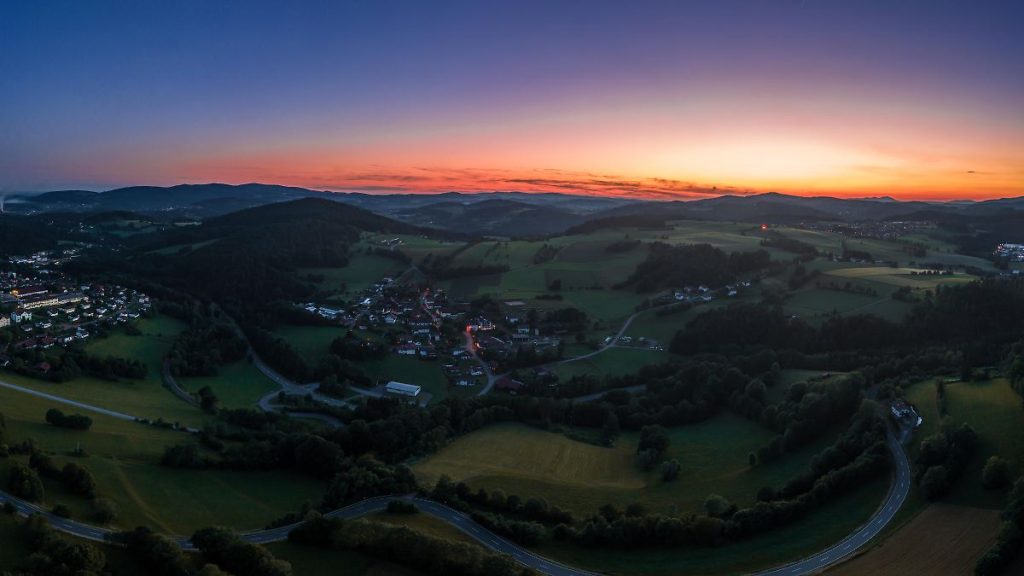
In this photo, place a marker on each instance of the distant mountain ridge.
(514, 214)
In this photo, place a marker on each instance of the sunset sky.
(655, 99)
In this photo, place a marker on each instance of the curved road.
(894, 500)
(898, 491)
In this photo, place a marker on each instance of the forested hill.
(247, 260)
(312, 210)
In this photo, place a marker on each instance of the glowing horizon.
(678, 100)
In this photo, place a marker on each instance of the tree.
(224, 548)
(24, 483)
(717, 506)
(208, 401)
(996, 474)
(610, 429)
(653, 438)
(104, 510)
(935, 482)
(78, 480)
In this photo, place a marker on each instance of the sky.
(664, 100)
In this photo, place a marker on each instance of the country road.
(898, 491)
(894, 500)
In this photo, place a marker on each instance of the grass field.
(942, 540)
(311, 342)
(582, 477)
(363, 271)
(146, 397)
(812, 533)
(123, 458)
(237, 385)
(994, 410)
(813, 304)
(410, 370)
(612, 362)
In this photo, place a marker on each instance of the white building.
(401, 389)
(19, 316)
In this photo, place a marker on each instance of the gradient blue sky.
(913, 99)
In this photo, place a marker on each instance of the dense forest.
(669, 266)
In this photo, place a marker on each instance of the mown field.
(146, 397)
(582, 477)
(124, 456)
(943, 540)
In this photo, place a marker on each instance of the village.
(45, 309)
(482, 341)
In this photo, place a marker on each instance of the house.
(903, 410)
(406, 349)
(402, 389)
(4, 321)
(19, 316)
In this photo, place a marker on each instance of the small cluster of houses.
(1011, 252)
(881, 230)
(700, 294)
(60, 313)
(46, 258)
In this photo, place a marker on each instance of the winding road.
(894, 500)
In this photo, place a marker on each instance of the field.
(612, 362)
(416, 247)
(145, 398)
(311, 342)
(814, 532)
(942, 540)
(994, 410)
(582, 477)
(361, 273)
(410, 370)
(123, 457)
(237, 385)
